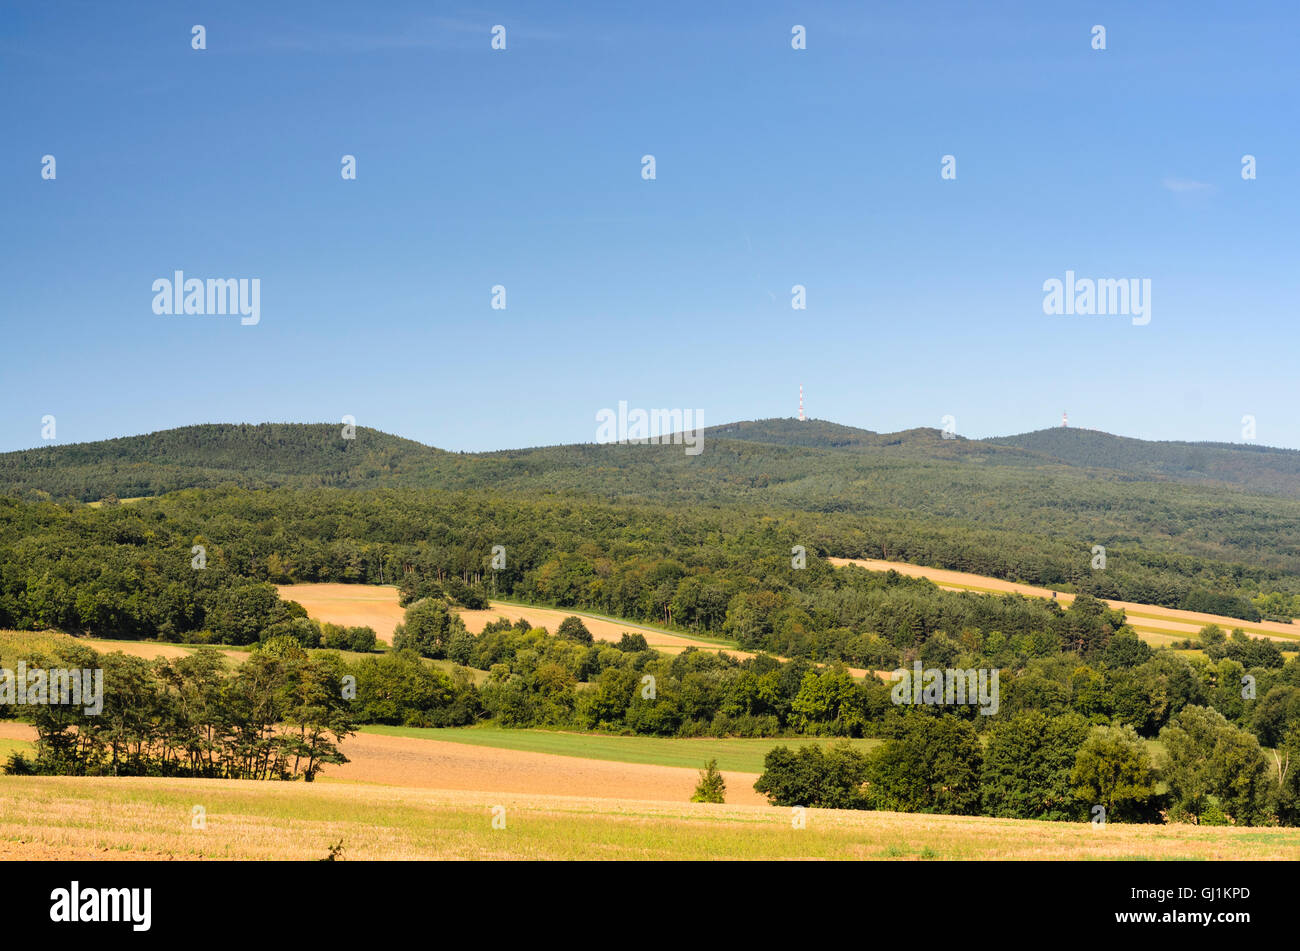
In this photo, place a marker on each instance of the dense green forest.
(1258, 468)
(754, 454)
(127, 570)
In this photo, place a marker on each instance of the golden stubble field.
(1155, 624)
(127, 818)
(436, 764)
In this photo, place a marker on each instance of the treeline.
(278, 715)
(1089, 668)
(1051, 767)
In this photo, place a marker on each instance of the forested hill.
(810, 464)
(921, 443)
(259, 456)
(1257, 468)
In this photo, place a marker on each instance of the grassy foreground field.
(71, 818)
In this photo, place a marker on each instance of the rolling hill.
(1258, 468)
(312, 455)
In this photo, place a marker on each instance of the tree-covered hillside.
(1256, 468)
(253, 456)
(912, 496)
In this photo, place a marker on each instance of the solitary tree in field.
(711, 787)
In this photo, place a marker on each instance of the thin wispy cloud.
(1184, 185)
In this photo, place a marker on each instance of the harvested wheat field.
(11, 730)
(127, 818)
(1155, 623)
(351, 605)
(21, 641)
(437, 764)
(602, 629)
(150, 649)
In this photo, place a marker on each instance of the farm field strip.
(1156, 620)
(395, 758)
(735, 754)
(149, 650)
(602, 629)
(44, 817)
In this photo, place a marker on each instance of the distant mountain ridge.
(740, 458)
(1258, 468)
(261, 455)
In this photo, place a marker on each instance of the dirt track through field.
(1145, 618)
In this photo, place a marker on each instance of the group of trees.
(278, 715)
(1036, 766)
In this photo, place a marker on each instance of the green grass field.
(740, 755)
(9, 747)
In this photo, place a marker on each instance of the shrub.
(711, 787)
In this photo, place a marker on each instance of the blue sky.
(775, 167)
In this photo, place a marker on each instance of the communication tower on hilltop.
(801, 415)
(1065, 420)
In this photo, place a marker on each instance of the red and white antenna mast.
(1065, 420)
(801, 415)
